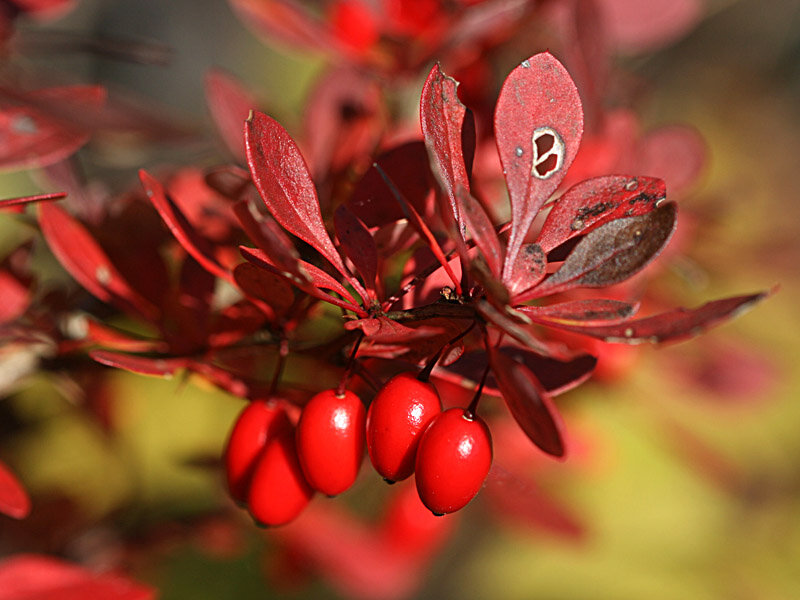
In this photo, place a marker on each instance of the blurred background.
(686, 481)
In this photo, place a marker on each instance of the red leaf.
(268, 287)
(110, 337)
(14, 500)
(675, 153)
(16, 296)
(581, 312)
(480, 229)
(527, 270)
(282, 179)
(87, 262)
(673, 325)
(591, 203)
(284, 20)
(42, 131)
(611, 253)
(9, 202)
(442, 119)
(28, 576)
(199, 248)
(408, 166)
(230, 104)
(528, 402)
(359, 246)
(538, 124)
(142, 365)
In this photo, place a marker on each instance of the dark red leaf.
(528, 402)
(142, 365)
(527, 270)
(9, 202)
(359, 246)
(228, 180)
(581, 312)
(538, 124)
(591, 203)
(612, 252)
(199, 248)
(480, 229)
(87, 262)
(29, 576)
(282, 179)
(230, 104)
(442, 119)
(14, 500)
(408, 166)
(673, 325)
(268, 287)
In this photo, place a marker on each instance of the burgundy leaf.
(87, 262)
(282, 179)
(538, 124)
(270, 288)
(199, 248)
(14, 500)
(612, 252)
(581, 312)
(359, 246)
(42, 131)
(9, 202)
(408, 166)
(142, 365)
(230, 104)
(673, 325)
(528, 402)
(510, 323)
(591, 203)
(228, 180)
(385, 330)
(480, 229)
(527, 270)
(28, 576)
(442, 119)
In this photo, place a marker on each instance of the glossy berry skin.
(330, 441)
(278, 491)
(259, 422)
(396, 419)
(453, 460)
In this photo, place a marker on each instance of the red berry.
(396, 418)
(330, 441)
(453, 459)
(259, 422)
(278, 491)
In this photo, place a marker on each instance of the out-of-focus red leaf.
(588, 55)
(199, 248)
(359, 246)
(343, 120)
(21, 201)
(102, 334)
(675, 153)
(480, 229)
(282, 179)
(266, 286)
(527, 270)
(143, 365)
(230, 104)
(528, 402)
(228, 180)
(14, 500)
(673, 325)
(612, 252)
(41, 130)
(15, 297)
(581, 312)
(284, 20)
(442, 118)
(591, 203)
(638, 26)
(408, 165)
(29, 576)
(87, 262)
(538, 124)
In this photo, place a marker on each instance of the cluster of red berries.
(274, 467)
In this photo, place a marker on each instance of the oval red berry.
(396, 418)
(330, 441)
(278, 491)
(259, 422)
(453, 460)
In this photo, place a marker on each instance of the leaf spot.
(24, 124)
(548, 152)
(576, 224)
(526, 63)
(629, 332)
(631, 185)
(103, 275)
(519, 151)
